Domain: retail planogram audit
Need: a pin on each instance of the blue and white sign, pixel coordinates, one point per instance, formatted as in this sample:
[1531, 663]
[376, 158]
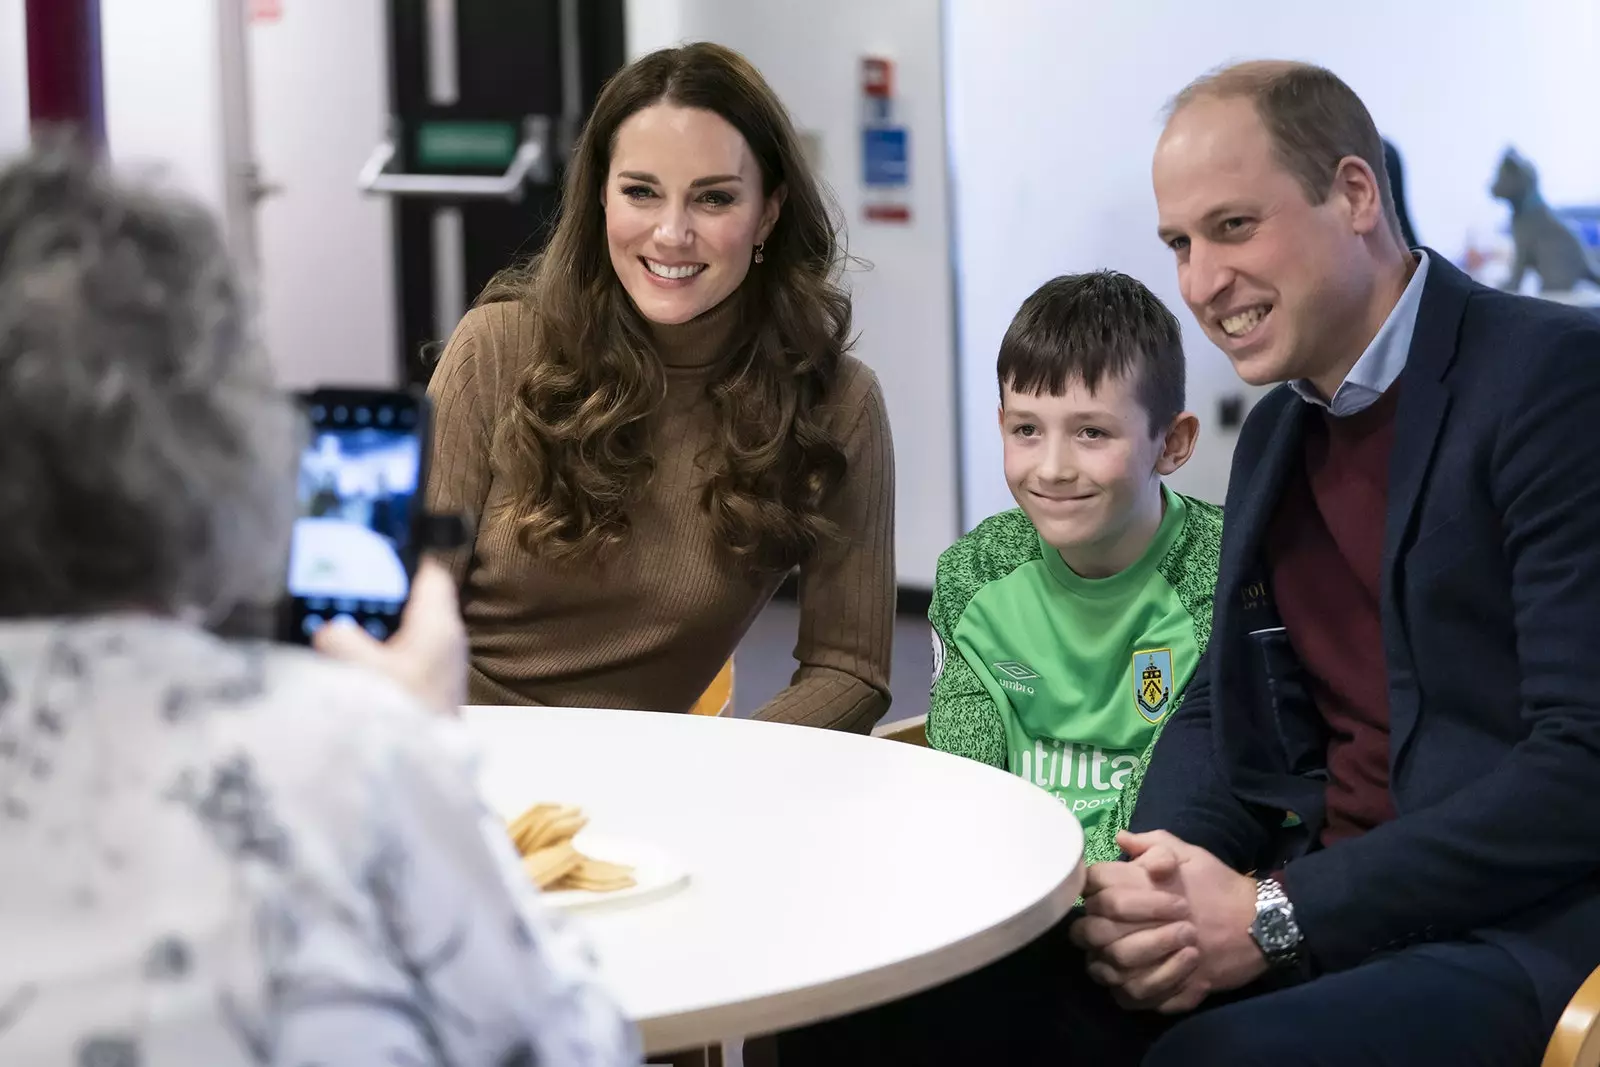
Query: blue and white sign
[886, 156]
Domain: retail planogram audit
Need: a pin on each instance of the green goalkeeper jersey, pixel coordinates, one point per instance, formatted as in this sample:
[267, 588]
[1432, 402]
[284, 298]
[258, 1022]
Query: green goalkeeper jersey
[1063, 680]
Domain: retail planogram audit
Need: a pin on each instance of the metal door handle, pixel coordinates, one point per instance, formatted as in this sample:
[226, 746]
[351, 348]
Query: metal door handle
[530, 163]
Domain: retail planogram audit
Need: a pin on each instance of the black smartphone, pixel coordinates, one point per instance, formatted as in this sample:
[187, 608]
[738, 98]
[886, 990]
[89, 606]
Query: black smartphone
[356, 536]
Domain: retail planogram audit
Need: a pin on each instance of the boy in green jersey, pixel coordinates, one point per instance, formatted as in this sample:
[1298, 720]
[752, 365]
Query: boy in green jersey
[1065, 631]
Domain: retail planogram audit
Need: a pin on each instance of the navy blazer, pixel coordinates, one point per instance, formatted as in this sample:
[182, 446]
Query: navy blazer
[1491, 633]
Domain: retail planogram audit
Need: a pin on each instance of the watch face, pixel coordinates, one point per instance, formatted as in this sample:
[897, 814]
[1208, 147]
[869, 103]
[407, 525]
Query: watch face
[1275, 932]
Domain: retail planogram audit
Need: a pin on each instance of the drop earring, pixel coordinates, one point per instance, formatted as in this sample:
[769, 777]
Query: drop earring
[760, 258]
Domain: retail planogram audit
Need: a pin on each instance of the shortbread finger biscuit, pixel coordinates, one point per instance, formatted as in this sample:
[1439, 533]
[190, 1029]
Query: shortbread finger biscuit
[552, 824]
[562, 826]
[549, 865]
[523, 825]
[597, 876]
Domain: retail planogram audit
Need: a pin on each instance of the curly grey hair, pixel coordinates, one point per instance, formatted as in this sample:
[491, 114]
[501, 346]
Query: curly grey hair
[146, 458]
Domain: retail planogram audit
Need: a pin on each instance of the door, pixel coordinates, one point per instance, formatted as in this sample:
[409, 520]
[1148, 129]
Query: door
[319, 101]
[485, 100]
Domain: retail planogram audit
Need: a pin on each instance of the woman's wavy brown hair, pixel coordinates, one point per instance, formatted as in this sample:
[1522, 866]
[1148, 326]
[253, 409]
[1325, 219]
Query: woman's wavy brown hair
[576, 439]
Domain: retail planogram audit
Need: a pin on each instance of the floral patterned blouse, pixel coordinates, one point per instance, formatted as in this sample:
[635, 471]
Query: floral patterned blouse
[217, 854]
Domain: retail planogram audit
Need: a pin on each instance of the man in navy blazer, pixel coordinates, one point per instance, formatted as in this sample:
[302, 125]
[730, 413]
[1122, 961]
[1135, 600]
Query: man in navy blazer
[1374, 814]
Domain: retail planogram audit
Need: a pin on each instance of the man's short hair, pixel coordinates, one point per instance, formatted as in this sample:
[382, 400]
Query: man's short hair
[1312, 117]
[1089, 327]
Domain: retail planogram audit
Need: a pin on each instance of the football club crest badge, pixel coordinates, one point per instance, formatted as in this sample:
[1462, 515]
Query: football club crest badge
[1152, 682]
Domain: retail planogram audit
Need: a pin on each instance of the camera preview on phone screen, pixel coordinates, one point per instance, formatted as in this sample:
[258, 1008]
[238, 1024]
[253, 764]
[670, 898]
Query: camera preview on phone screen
[358, 484]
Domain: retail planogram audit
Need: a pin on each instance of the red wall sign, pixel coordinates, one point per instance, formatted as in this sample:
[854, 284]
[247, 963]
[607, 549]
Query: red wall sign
[877, 77]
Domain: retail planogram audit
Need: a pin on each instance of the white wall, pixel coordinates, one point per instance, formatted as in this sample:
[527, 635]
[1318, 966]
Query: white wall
[811, 54]
[162, 92]
[13, 79]
[317, 104]
[1054, 110]
[319, 98]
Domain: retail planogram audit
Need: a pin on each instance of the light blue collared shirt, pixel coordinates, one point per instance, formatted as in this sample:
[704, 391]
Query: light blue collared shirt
[1384, 358]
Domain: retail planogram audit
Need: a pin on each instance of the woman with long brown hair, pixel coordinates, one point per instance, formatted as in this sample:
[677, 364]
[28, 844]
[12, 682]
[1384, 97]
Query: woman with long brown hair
[656, 420]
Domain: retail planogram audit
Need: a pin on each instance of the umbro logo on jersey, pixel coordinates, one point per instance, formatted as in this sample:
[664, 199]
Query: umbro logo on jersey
[1019, 671]
[1014, 675]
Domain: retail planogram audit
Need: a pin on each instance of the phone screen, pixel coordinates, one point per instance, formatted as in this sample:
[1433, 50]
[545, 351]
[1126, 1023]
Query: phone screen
[354, 546]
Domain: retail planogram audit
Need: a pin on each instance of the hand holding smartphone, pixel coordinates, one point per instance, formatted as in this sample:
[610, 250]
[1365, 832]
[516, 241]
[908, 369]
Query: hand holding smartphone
[427, 655]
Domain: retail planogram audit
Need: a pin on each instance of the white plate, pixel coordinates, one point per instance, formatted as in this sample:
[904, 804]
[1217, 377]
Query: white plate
[656, 872]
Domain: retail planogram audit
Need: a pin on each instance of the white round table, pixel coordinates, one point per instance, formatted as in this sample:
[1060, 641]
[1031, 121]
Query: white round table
[828, 872]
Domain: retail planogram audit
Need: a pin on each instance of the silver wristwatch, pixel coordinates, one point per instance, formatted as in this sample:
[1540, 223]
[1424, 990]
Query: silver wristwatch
[1274, 930]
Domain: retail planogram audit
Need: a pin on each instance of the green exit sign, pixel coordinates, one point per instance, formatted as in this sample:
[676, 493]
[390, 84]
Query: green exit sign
[466, 144]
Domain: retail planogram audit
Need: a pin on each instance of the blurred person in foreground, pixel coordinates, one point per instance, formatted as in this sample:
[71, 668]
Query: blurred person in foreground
[219, 853]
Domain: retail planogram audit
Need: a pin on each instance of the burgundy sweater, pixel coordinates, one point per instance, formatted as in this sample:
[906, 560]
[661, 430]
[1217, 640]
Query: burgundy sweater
[1325, 550]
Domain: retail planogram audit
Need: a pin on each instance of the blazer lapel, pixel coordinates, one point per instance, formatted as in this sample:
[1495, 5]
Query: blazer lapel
[1416, 430]
[1250, 510]
[1424, 399]
[1246, 729]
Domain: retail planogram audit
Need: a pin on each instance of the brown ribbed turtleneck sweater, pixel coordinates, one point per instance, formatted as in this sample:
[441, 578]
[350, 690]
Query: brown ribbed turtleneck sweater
[651, 628]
